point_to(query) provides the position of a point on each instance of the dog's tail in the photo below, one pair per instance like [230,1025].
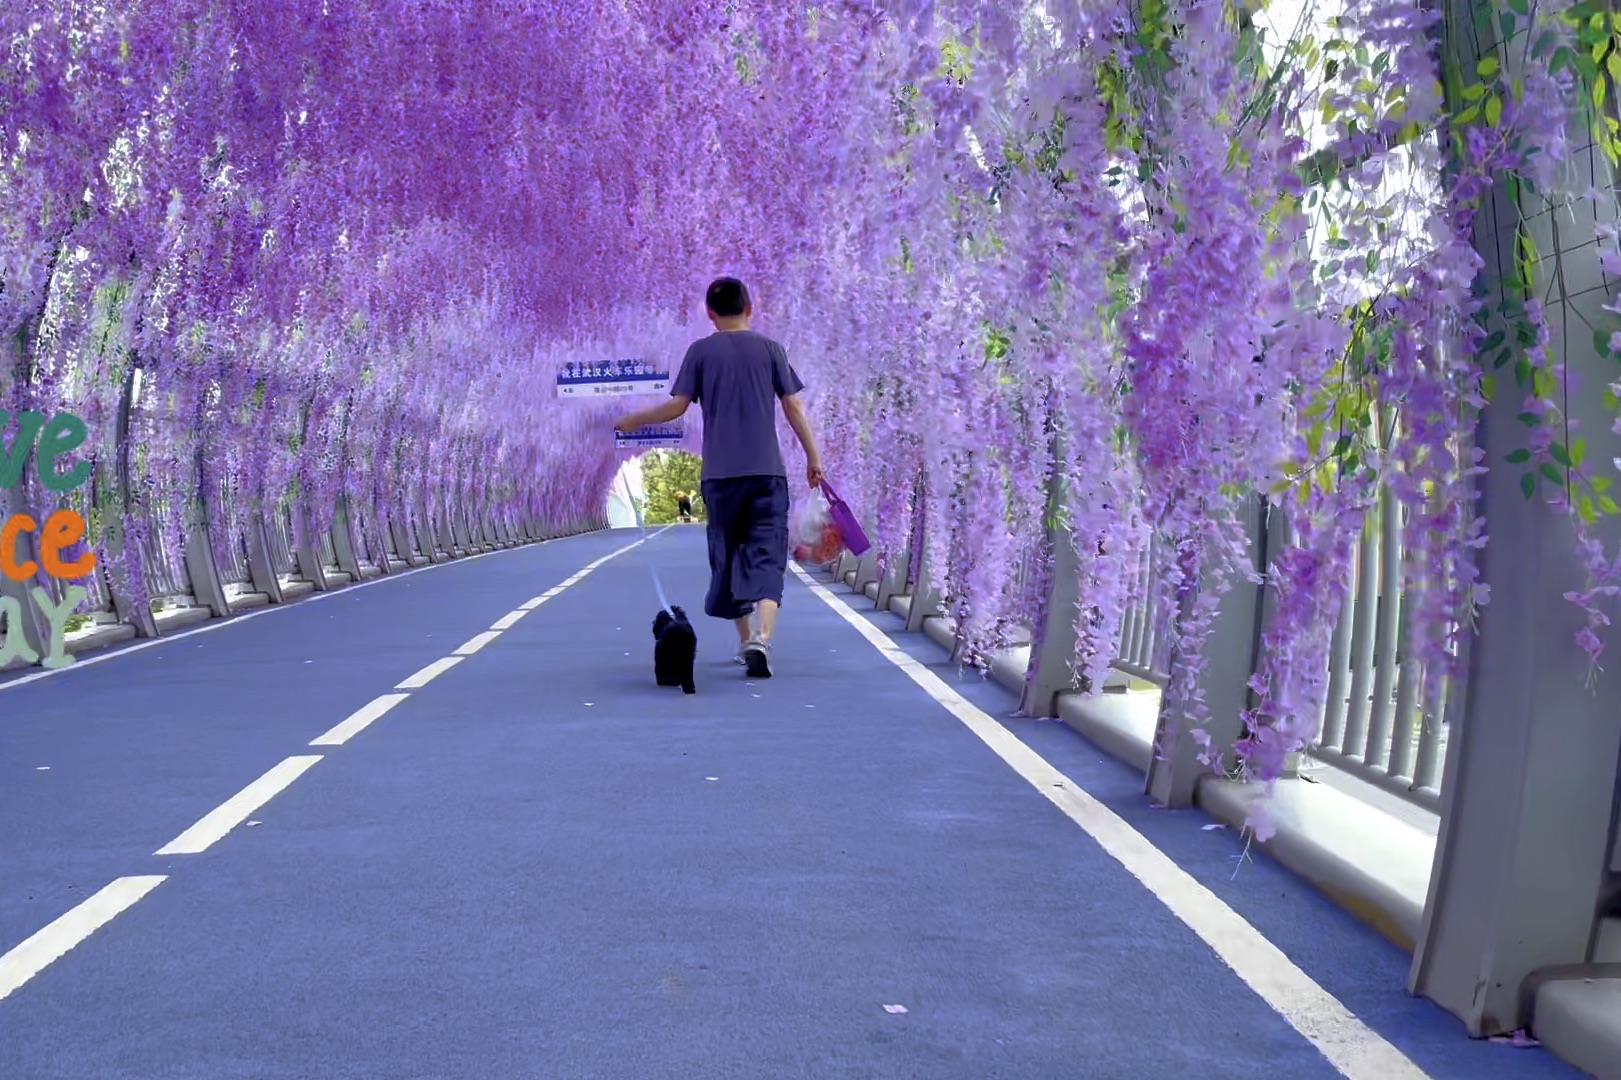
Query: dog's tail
[688,688]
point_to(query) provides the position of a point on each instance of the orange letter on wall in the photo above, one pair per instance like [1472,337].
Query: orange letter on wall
[63,528]
[8,548]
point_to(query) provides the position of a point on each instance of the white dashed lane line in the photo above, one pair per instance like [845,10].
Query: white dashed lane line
[509,620]
[218,822]
[429,673]
[475,644]
[359,720]
[53,942]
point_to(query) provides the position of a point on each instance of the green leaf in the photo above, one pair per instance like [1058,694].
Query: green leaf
[1528,484]
[1474,91]
[1607,504]
[1558,452]
[1519,457]
[1494,110]
[1554,476]
[1487,67]
[1519,7]
[1601,343]
[1584,509]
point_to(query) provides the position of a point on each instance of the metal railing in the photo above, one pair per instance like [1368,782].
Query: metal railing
[165,567]
[1375,723]
[280,531]
[232,558]
[98,598]
[1140,654]
[326,552]
[360,537]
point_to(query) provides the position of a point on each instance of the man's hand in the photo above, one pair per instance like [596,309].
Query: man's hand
[628,424]
[814,474]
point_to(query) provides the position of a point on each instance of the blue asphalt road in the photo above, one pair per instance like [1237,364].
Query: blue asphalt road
[543,866]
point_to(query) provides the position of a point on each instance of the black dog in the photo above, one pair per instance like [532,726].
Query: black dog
[674,650]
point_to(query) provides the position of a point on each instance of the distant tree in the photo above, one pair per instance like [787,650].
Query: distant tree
[665,472]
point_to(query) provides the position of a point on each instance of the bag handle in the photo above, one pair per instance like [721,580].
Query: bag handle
[832,496]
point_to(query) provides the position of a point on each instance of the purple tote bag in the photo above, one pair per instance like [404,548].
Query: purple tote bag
[845,522]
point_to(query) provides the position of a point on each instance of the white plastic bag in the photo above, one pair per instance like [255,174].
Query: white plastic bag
[814,538]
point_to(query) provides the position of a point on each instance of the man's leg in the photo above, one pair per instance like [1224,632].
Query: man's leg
[768,619]
[721,601]
[760,563]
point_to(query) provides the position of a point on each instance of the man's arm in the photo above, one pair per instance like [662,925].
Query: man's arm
[794,410]
[662,414]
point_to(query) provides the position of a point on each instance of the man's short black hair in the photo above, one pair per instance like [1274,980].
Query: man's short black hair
[727,297]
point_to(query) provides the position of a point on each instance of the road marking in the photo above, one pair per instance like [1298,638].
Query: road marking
[478,642]
[237,620]
[530,605]
[429,673]
[52,943]
[83,662]
[234,811]
[359,720]
[510,619]
[1352,1047]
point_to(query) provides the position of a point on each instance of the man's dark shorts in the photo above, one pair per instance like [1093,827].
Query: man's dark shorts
[748,543]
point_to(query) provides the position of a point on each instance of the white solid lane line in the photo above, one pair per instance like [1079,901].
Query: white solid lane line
[509,620]
[359,720]
[235,810]
[429,673]
[52,943]
[1352,1047]
[478,642]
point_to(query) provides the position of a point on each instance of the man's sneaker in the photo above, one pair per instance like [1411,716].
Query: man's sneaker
[757,659]
[738,659]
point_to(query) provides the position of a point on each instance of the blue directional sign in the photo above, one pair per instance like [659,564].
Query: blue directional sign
[610,378]
[649,437]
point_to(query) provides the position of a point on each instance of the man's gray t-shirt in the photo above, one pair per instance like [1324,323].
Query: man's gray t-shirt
[736,377]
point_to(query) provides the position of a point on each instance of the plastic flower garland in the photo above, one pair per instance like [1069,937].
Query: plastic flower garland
[1096,274]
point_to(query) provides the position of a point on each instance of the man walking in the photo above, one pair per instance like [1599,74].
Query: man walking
[738,377]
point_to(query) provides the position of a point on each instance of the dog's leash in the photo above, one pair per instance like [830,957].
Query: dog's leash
[635,508]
